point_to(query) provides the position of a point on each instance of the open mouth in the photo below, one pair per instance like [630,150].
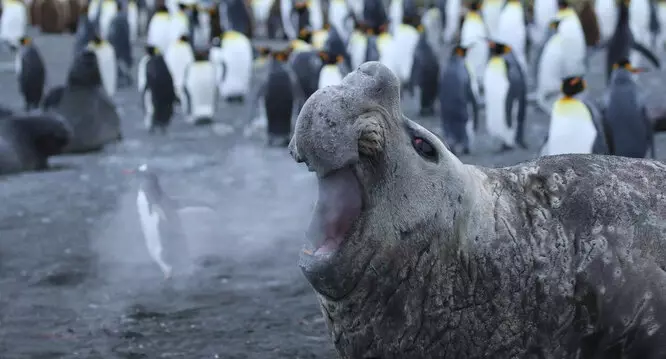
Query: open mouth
[339,205]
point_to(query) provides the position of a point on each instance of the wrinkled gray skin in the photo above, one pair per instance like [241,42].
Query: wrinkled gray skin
[560,257]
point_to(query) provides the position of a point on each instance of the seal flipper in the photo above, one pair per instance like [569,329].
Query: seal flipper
[647,53]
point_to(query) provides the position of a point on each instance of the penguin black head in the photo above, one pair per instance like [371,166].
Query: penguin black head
[572,86]
[201,55]
[562,4]
[475,6]
[460,50]
[301,6]
[498,49]
[182,6]
[554,24]
[184,38]
[305,34]
[329,59]
[25,40]
[162,9]
[152,50]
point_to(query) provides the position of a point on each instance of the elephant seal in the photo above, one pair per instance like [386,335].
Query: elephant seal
[86,106]
[417,255]
[27,141]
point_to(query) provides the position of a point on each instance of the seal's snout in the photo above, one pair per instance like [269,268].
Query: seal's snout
[339,205]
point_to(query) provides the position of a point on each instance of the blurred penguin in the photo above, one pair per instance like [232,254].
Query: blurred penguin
[490,12]
[106,61]
[238,17]
[506,96]
[31,73]
[201,28]
[473,37]
[336,46]
[108,11]
[13,22]
[315,14]
[179,24]
[640,12]
[320,36]
[372,49]
[374,14]
[302,13]
[288,19]
[161,224]
[261,12]
[159,94]
[306,66]
[661,16]
[177,57]
[200,90]
[425,74]
[571,31]
[159,34]
[234,50]
[358,45]
[330,74]
[512,30]
[133,20]
[399,57]
[85,31]
[575,127]
[395,14]
[384,40]
[452,19]
[607,14]
[303,42]
[458,96]
[630,131]
[549,67]
[339,16]
[119,38]
[544,12]
[432,22]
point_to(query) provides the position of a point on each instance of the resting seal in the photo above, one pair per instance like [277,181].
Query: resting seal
[26,142]
[417,255]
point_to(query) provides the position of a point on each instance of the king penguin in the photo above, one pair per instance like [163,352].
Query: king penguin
[133,20]
[607,15]
[572,34]
[161,224]
[13,22]
[106,61]
[120,39]
[549,67]
[179,23]
[31,73]
[236,55]
[158,29]
[178,56]
[159,94]
[505,93]
[108,11]
[640,12]
[575,126]
[544,12]
[490,11]
[458,103]
[330,74]
[432,22]
[288,19]
[425,74]
[451,19]
[200,90]
[338,16]
[395,14]
[358,45]
[473,36]
[85,31]
[512,30]
[399,57]
[630,131]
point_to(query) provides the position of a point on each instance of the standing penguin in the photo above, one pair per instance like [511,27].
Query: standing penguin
[119,38]
[280,96]
[338,16]
[544,12]
[302,12]
[630,132]
[399,57]
[108,11]
[490,11]
[288,19]
[159,215]
[452,19]
[133,20]
[395,14]
[575,127]
[358,45]
[13,22]
[512,30]
[31,73]
[607,15]
[640,12]
[307,66]
[236,55]
[473,36]
[85,31]
[374,14]
[158,29]
[425,74]
[505,92]
[200,90]
[159,94]
[571,31]
[330,74]
[549,67]
[622,42]
[106,61]
[179,23]
[178,56]
[458,103]
[238,17]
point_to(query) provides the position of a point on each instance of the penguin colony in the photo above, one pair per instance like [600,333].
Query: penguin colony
[477,65]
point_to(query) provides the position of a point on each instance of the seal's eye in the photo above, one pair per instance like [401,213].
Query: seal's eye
[424,148]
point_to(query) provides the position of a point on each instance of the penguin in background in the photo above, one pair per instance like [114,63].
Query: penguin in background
[451,19]
[177,57]
[548,68]
[31,73]
[302,42]
[384,40]
[161,224]
[120,39]
[330,74]
[459,110]
[338,16]
[432,22]
[320,36]
[150,51]
[13,22]
[399,57]
[133,20]
[425,74]
[316,14]
[239,17]
[287,17]
[200,90]
[306,66]
[395,14]
[490,12]
[640,12]
[159,94]
[106,61]
[661,16]
[512,30]
[201,26]
[159,34]
[261,12]
[620,45]
[179,23]
[358,44]
[374,14]
[630,132]
[506,96]
[108,11]
[234,51]
[655,24]
[607,15]
[372,48]
[85,31]
[302,13]
[335,46]
[571,31]
[473,36]
[575,126]
[544,12]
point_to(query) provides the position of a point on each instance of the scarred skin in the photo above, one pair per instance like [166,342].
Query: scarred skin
[561,257]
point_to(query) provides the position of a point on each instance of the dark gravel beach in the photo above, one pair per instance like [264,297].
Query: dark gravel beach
[75,277]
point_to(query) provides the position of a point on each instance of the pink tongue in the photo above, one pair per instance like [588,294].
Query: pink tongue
[338,206]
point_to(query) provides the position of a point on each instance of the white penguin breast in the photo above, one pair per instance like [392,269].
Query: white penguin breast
[551,65]
[177,57]
[496,85]
[571,129]
[201,88]
[330,76]
[511,27]
[150,226]
[13,22]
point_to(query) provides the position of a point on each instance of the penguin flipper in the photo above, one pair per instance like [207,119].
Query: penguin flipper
[647,53]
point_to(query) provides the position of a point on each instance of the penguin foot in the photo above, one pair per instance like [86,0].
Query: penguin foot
[427,111]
